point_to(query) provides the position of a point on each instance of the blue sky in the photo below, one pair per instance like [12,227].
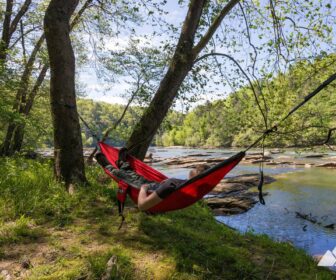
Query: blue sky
[100,90]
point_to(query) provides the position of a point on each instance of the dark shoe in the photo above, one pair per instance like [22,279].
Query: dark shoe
[102,160]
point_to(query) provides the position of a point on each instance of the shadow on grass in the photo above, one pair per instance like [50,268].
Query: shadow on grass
[205,249]
[195,242]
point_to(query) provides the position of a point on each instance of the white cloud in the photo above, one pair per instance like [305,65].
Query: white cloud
[112,99]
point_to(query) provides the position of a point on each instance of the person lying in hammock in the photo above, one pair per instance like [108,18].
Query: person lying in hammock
[151,193]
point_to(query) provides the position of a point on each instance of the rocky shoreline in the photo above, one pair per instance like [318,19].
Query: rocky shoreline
[235,195]
[190,161]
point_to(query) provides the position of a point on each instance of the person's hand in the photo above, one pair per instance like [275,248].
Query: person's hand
[145,187]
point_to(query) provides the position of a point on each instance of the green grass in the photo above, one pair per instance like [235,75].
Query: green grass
[73,237]
[19,231]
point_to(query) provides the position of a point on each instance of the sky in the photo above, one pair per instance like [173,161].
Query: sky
[101,90]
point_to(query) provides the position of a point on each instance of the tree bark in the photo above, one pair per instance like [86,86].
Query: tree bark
[9,26]
[69,160]
[6,145]
[20,99]
[181,63]
[19,15]
[15,132]
[5,37]
[20,128]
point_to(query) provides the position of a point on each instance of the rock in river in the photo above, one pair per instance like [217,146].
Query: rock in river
[327,164]
[233,195]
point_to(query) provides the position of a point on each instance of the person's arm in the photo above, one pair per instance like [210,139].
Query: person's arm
[145,202]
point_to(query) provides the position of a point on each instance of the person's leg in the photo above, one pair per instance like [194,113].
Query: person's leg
[125,173]
[102,160]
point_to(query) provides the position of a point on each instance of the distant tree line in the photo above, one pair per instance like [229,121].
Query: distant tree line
[236,121]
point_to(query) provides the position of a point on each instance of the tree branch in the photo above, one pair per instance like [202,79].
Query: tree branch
[24,34]
[254,64]
[23,42]
[108,131]
[244,73]
[5,36]
[213,27]
[35,89]
[80,13]
[19,15]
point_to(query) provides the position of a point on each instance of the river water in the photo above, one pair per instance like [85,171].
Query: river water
[297,189]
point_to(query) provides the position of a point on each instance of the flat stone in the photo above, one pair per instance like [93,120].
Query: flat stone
[254,154]
[223,187]
[327,164]
[258,161]
[250,180]
[315,156]
[243,203]
[233,195]
[283,157]
[276,151]
[152,160]
[190,162]
[228,211]
[272,163]
[257,157]
[286,162]
[331,158]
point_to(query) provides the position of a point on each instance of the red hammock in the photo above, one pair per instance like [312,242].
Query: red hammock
[187,194]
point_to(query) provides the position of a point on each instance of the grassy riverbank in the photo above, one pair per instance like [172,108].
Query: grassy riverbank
[56,236]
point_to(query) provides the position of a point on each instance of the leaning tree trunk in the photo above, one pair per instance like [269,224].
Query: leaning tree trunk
[69,161]
[159,106]
[181,63]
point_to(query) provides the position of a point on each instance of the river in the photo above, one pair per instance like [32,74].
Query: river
[297,189]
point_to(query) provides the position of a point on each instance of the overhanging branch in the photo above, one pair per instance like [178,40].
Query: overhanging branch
[213,27]
[244,73]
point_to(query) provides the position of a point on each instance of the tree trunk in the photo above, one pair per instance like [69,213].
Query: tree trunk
[5,37]
[159,106]
[14,137]
[9,26]
[6,145]
[69,160]
[20,99]
[181,63]
[18,136]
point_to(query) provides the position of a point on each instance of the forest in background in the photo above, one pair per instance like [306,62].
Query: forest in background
[236,120]
[228,122]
